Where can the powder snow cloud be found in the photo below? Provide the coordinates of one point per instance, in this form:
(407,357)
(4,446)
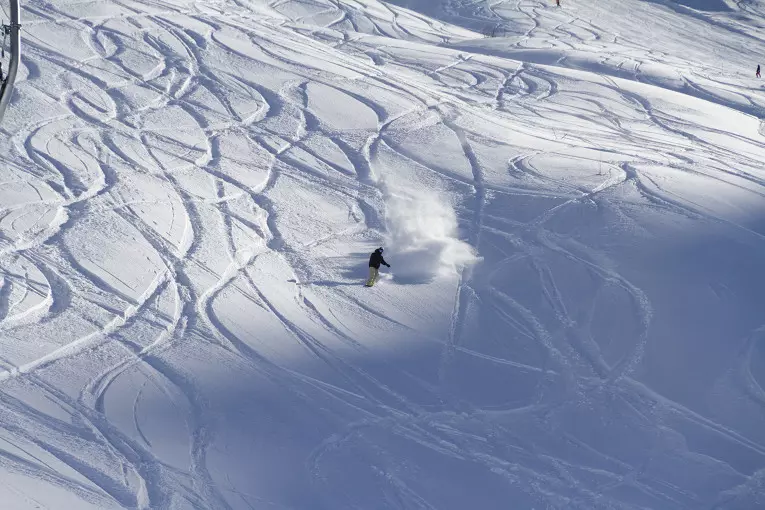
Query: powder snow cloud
(422,236)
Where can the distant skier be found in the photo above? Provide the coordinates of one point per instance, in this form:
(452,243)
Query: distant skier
(374,266)
(557,2)
(757,74)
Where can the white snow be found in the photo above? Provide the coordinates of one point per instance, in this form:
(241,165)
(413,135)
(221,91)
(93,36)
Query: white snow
(572,201)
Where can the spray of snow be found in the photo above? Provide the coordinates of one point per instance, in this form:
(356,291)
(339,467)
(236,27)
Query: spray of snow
(422,237)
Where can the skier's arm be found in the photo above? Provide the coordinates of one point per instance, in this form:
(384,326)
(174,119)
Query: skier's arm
(383,261)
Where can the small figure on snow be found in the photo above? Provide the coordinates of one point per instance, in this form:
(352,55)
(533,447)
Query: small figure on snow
(374,266)
(557,2)
(757,74)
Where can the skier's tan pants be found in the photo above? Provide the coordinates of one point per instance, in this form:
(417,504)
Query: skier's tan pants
(373,273)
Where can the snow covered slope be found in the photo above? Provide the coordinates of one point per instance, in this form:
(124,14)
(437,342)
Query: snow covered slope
(572,201)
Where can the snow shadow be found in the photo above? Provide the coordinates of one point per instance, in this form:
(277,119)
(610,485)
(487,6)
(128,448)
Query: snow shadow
(471,17)
(274,420)
(353,267)
(422,237)
(477,18)
(698,5)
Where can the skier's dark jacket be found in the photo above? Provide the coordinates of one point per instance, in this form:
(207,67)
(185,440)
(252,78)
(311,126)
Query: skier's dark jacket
(376,259)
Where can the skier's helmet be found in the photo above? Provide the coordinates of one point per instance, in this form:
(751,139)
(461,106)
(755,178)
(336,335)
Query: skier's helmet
(380,249)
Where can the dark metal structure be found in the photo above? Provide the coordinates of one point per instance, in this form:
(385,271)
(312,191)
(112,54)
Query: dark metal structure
(11,30)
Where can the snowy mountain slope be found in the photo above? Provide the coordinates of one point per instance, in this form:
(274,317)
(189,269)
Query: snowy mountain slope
(573,212)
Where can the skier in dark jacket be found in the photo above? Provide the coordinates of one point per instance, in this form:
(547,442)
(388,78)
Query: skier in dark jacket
(374,266)
(757,74)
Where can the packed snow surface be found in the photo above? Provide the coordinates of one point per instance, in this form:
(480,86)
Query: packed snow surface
(572,200)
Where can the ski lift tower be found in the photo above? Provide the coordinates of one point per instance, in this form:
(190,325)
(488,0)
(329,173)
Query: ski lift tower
(11,30)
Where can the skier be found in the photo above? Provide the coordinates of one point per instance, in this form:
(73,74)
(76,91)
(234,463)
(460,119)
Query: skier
(557,2)
(374,266)
(757,74)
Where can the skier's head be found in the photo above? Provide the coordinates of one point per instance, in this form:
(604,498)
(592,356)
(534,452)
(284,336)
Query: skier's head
(379,250)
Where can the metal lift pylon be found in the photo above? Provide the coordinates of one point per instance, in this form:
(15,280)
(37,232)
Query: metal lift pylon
(12,30)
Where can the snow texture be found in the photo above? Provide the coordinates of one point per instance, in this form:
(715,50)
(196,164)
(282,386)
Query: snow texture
(422,230)
(572,200)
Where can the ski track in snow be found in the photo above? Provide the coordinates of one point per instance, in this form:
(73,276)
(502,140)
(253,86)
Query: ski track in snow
(192,189)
